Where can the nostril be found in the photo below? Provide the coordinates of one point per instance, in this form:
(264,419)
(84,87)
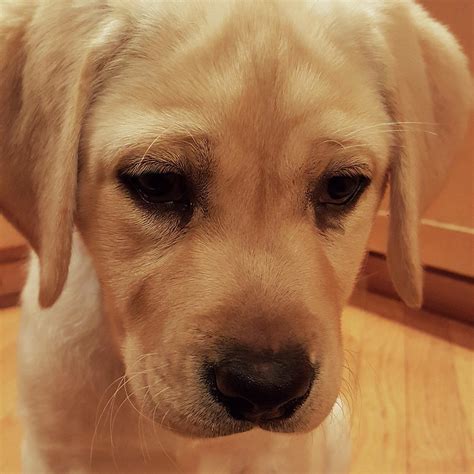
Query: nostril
(262,387)
(230,383)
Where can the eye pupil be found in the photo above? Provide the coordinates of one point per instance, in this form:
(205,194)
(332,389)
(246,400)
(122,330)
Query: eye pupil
(158,184)
(159,188)
(340,187)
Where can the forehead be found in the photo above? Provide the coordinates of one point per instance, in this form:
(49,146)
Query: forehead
(253,76)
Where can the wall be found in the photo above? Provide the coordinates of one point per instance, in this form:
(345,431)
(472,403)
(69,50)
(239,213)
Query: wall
(447,230)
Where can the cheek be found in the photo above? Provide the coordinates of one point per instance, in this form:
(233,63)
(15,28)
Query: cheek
(130,262)
(346,250)
(124,241)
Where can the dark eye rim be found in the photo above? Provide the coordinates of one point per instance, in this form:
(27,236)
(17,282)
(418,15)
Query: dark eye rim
(129,181)
(362,184)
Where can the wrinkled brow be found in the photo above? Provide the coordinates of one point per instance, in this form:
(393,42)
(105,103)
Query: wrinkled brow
(135,133)
(186,153)
(332,154)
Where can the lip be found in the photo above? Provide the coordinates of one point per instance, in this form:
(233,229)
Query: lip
(228,425)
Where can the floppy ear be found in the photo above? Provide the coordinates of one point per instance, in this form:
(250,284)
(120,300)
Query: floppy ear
(429,95)
(50,57)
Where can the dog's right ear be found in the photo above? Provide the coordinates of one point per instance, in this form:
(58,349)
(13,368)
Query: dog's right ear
(50,59)
(429,94)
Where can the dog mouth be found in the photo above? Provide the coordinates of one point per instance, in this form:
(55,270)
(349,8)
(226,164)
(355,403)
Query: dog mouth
(224,427)
(266,395)
(262,416)
(209,422)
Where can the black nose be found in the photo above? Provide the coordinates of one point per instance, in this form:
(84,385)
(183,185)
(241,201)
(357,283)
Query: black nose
(261,387)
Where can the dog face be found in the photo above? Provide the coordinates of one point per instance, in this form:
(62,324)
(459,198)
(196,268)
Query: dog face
(232,159)
(227,212)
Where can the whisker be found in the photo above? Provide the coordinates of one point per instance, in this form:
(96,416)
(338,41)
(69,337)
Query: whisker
(97,423)
(113,417)
(333,141)
(127,395)
(401,130)
(126,380)
(197,145)
(155,409)
(140,422)
(151,145)
(119,383)
(163,419)
(383,124)
(163,449)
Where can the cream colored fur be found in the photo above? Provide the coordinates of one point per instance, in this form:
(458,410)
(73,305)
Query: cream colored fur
(121,308)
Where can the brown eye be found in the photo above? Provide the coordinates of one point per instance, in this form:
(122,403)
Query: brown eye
(341,189)
(161,187)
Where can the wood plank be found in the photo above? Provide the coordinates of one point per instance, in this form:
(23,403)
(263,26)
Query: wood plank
(420,393)
(10,431)
(12,276)
(445,293)
(378,425)
(9,237)
(443,246)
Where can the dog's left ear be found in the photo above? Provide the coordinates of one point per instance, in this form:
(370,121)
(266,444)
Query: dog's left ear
(51,54)
(428,91)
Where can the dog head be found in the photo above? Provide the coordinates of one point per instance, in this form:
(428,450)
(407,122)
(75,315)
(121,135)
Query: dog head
(223,164)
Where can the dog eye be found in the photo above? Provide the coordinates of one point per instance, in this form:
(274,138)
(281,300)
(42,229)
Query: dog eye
(162,187)
(159,188)
(342,189)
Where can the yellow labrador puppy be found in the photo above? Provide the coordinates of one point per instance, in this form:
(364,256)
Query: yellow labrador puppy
(198,181)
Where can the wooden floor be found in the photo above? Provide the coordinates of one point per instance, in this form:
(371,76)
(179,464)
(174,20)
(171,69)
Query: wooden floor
(409,380)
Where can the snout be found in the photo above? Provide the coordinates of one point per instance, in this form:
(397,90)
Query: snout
(262,387)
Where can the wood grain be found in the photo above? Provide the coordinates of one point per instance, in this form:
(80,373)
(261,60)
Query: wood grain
(13,258)
(443,245)
(9,427)
(409,381)
(12,279)
(413,412)
(443,292)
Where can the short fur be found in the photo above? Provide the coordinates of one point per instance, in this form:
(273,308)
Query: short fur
(258,100)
